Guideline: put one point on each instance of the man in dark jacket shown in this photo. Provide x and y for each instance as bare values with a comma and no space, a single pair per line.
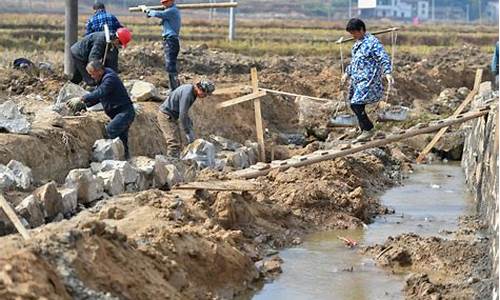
114,98
175,109
101,16
93,47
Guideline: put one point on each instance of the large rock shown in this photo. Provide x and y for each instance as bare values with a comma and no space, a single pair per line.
187,168
144,164
129,173
89,187
69,91
202,152
160,172
7,178
32,210
12,120
236,159
107,149
69,200
51,199
22,173
143,91
174,176
225,144
113,182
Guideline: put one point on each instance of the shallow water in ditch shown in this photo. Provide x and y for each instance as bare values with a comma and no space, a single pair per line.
430,201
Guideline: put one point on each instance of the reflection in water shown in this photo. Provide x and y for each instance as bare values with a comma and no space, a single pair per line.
430,201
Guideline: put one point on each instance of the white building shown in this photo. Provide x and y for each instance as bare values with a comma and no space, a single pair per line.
492,11
403,9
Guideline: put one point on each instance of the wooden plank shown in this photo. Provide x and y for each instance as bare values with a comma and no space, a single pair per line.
458,111
345,40
189,6
239,89
260,129
241,99
252,173
230,185
254,79
297,95
13,218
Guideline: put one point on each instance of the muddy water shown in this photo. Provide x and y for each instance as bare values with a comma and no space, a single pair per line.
430,201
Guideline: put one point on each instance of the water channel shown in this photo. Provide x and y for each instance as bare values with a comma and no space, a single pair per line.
428,202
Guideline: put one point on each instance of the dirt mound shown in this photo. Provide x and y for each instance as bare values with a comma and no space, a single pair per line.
444,269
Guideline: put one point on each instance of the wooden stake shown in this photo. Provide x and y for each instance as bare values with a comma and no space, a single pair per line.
258,115
470,97
13,218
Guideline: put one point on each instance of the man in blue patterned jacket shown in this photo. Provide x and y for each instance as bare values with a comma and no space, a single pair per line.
369,61
101,17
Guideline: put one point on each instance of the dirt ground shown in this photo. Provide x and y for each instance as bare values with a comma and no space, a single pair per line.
141,245
455,268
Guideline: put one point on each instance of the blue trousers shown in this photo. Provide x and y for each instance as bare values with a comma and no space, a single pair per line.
171,50
119,126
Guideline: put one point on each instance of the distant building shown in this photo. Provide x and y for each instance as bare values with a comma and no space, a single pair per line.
492,11
408,10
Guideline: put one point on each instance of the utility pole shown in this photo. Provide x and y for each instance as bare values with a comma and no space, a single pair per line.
232,23
70,33
480,13
350,9
433,10
467,19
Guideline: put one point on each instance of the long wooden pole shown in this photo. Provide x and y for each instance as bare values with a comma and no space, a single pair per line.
190,6
345,40
70,33
14,218
258,115
320,156
459,110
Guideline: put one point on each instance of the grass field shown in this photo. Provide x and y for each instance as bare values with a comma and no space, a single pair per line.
40,33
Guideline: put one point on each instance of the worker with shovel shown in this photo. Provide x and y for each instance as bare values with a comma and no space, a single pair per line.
98,46
113,96
171,22
369,61
175,108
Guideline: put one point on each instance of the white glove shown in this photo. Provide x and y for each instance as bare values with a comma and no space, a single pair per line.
144,8
390,80
344,79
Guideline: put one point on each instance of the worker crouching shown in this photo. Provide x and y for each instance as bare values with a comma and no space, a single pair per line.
176,109
113,96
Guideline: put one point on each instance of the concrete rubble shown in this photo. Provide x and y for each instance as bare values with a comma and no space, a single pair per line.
69,200
12,120
89,187
22,174
108,149
143,91
113,182
51,199
32,210
202,151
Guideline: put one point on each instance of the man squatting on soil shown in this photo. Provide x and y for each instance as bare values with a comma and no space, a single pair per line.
171,22
114,98
175,108
92,47
368,60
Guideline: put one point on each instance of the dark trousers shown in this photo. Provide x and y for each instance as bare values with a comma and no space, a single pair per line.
363,120
119,126
80,72
171,50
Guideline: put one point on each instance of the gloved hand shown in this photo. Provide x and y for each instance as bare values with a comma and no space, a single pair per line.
143,8
76,104
390,81
344,79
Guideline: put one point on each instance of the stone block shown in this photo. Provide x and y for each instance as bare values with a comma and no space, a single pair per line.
89,187
202,152
69,200
7,178
143,91
22,173
51,199
113,182
32,210
129,173
108,149
12,120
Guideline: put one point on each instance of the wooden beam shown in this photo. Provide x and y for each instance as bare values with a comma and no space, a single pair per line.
345,40
189,6
459,110
259,127
358,147
240,99
297,95
13,218
230,185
